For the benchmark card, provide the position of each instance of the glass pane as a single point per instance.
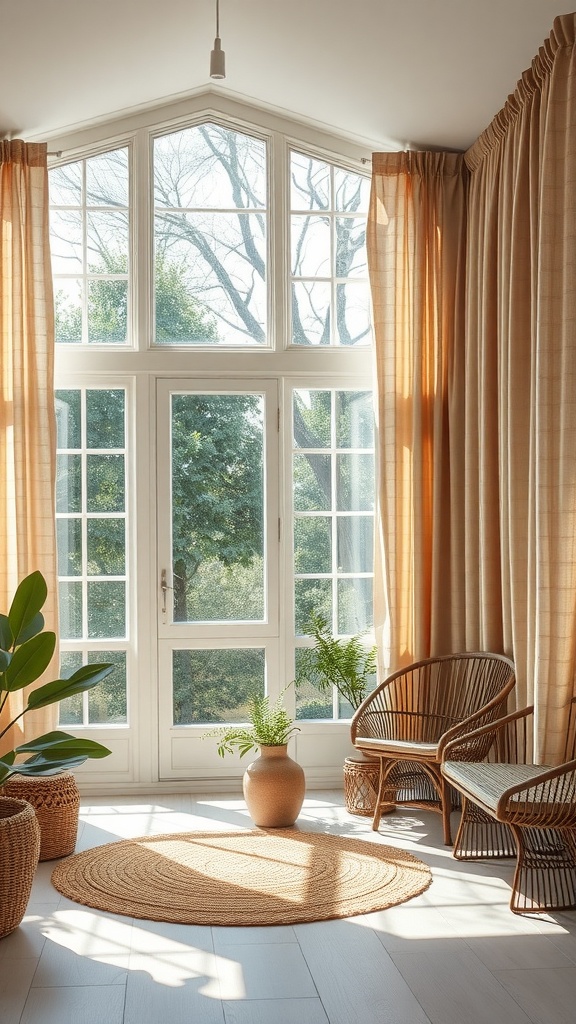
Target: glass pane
(68, 419)
(107, 701)
(352, 191)
(310, 701)
(105, 483)
(70, 606)
(313, 544)
(66, 185)
(106, 610)
(353, 317)
(106, 547)
(105, 419)
(107, 312)
(354, 605)
(68, 311)
(354, 419)
(70, 711)
(66, 241)
(312, 476)
(351, 247)
(107, 242)
(210, 166)
(310, 313)
(69, 539)
(68, 483)
(310, 246)
(211, 278)
(312, 412)
(312, 596)
(355, 483)
(355, 543)
(310, 183)
(215, 685)
(107, 179)
(218, 507)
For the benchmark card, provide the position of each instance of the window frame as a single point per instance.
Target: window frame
(140, 363)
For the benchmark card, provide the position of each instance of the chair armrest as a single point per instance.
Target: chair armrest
(468, 746)
(548, 800)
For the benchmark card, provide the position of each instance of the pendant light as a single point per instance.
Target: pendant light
(217, 56)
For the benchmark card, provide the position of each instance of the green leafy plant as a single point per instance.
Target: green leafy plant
(26, 650)
(270, 726)
(346, 664)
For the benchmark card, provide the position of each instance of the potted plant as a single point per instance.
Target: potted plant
(350, 666)
(26, 650)
(273, 784)
(346, 664)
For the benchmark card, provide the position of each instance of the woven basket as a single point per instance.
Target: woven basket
(361, 781)
(56, 801)
(19, 852)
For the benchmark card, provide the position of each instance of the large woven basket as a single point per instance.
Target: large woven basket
(19, 852)
(56, 801)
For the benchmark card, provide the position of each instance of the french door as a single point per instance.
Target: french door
(218, 556)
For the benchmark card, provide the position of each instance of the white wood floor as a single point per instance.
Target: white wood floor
(455, 955)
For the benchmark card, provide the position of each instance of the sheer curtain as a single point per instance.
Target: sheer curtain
(491, 562)
(27, 421)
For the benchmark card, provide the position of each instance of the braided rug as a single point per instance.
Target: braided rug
(257, 877)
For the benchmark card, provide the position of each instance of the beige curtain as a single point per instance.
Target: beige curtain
(416, 254)
(27, 422)
(509, 440)
(521, 382)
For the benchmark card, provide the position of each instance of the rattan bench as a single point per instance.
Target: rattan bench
(513, 807)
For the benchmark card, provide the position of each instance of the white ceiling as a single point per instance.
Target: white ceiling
(390, 73)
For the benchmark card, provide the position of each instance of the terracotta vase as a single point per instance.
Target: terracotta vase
(19, 852)
(274, 787)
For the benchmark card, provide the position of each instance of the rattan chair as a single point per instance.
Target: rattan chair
(514, 807)
(408, 719)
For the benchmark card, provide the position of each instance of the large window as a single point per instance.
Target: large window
(215, 438)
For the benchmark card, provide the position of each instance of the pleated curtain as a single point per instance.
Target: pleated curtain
(472, 262)
(27, 418)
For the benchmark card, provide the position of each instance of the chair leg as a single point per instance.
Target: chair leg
(480, 836)
(383, 796)
(545, 876)
(446, 797)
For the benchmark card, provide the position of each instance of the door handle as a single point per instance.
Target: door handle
(164, 587)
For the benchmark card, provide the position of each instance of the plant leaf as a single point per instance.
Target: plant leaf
(6, 638)
(5, 659)
(35, 626)
(29, 661)
(28, 600)
(39, 766)
(6, 763)
(60, 746)
(59, 689)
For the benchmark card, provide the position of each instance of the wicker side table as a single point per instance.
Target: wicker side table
(361, 779)
(56, 800)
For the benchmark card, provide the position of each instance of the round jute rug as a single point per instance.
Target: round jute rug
(257, 877)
